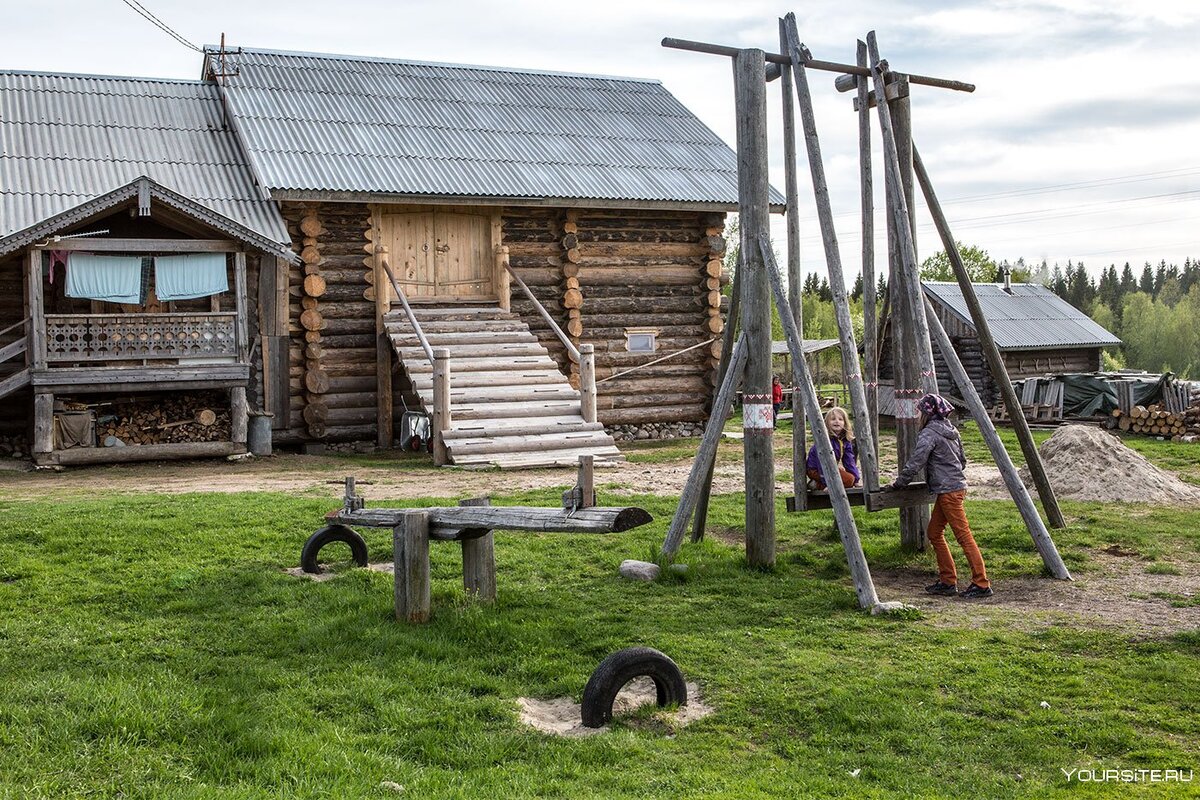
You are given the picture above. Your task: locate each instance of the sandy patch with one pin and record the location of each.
(562, 716)
(328, 574)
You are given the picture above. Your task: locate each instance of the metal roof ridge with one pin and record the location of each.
(91, 76)
(210, 50)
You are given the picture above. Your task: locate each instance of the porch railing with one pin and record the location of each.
(122, 337)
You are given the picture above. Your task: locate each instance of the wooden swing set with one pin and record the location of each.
(747, 362)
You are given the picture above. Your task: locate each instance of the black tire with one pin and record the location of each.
(328, 534)
(619, 669)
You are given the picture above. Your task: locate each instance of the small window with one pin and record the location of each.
(641, 340)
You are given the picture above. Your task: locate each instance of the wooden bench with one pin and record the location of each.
(471, 523)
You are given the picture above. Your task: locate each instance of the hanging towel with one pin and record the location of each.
(58, 257)
(191, 275)
(115, 279)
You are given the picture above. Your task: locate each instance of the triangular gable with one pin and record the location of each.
(146, 191)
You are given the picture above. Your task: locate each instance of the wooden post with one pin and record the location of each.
(864, 587)
(587, 481)
(441, 404)
(912, 353)
(239, 285)
(587, 382)
(43, 423)
(750, 98)
(383, 354)
(37, 310)
(992, 353)
(870, 340)
(502, 281)
(727, 340)
(479, 560)
(701, 472)
(239, 414)
(410, 553)
(795, 281)
(851, 370)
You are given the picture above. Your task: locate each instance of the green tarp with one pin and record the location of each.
(1088, 395)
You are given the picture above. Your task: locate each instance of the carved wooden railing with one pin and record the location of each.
(123, 337)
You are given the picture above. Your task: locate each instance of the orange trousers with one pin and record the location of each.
(847, 477)
(948, 508)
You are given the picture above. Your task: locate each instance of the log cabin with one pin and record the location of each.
(1037, 332)
(533, 259)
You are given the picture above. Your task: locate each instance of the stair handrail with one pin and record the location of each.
(572, 350)
(412, 318)
(17, 347)
(585, 357)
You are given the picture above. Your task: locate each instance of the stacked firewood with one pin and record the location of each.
(166, 419)
(1156, 420)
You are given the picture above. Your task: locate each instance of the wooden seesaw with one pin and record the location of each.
(471, 523)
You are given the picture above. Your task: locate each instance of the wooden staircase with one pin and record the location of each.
(20, 378)
(510, 406)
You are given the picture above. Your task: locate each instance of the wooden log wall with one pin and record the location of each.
(332, 354)
(599, 272)
(332, 325)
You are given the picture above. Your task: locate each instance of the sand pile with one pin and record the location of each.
(1086, 463)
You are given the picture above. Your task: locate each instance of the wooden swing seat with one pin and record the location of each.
(915, 494)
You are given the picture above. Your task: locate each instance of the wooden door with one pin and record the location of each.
(441, 256)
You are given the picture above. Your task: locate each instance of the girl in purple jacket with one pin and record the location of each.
(841, 436)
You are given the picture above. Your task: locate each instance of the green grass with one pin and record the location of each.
(151, 646)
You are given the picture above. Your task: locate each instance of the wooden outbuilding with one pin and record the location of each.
(1036, 331)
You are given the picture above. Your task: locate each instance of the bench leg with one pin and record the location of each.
(479, 560)
(410, 548)
(479, 567)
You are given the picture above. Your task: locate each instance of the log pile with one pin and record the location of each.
(166, 419)
(1155, 420)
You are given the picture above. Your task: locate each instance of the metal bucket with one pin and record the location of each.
(258, 433)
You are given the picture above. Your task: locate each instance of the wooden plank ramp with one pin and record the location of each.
(510, 406)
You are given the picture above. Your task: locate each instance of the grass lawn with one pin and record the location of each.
(152, 646)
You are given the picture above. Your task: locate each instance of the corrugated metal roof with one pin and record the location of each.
(1031, 317)
(324, 123)
(67, 139)
(809, 346)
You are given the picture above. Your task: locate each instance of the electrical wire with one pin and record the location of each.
(162, 26)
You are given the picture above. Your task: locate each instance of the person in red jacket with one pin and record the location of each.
(776, 398)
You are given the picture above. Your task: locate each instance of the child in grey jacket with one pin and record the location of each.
(939, 452)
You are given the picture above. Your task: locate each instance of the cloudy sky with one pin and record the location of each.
(1081, 142)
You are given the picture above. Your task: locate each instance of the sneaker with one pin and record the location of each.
(974, 592)
(948, 589)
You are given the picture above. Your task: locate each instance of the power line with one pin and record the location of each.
(162, 26)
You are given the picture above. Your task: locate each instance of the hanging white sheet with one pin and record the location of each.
(190, 275)
(114, 279)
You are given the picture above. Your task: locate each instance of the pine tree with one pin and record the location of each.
(1146, 284)
(857, 292)
(1128, 282)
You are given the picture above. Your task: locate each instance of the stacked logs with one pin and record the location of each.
(166, 419)
(713, 279)
(1155, 420)
(333, 359)
(572, 297)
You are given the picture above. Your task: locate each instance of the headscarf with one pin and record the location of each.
(935, 406)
